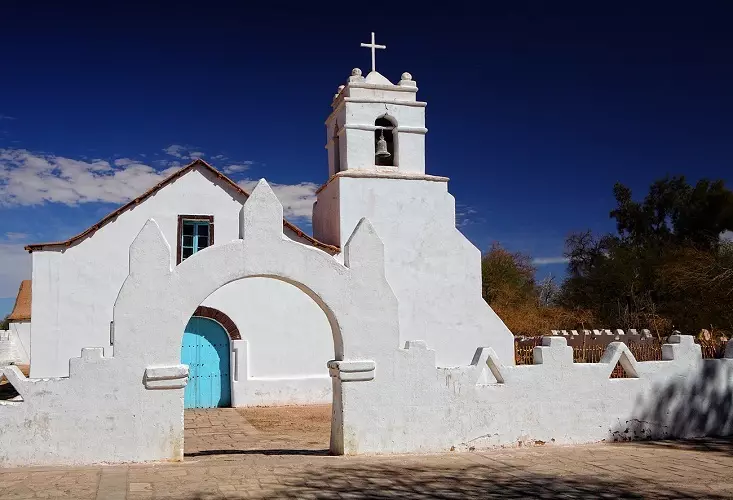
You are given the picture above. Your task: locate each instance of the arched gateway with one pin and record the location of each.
(156, 301)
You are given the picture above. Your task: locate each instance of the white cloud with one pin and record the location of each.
(16, 236)
(122, 162)
(15, 266)
(183, 152)
(219, 157)
(239, 167)
(6, 117)
(466, 215)
(28, 178)
(297, 199)
(544, 261)
(177, 151)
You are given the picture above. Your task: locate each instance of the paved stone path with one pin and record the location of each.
(235, 454)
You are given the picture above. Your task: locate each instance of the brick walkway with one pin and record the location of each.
(252, 454)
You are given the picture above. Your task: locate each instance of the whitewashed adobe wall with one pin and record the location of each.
(433, 269)
(414, 407)
(132, 404)
(286, 343)
(74, 289)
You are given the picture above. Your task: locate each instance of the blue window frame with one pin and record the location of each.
(194, 233)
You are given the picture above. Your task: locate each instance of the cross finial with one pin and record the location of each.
(373, 46)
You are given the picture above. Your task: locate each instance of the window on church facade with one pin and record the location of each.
(384, 150)
(195, 232)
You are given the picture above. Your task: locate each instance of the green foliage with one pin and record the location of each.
(667, 266)
(507, 277)
(5, 324)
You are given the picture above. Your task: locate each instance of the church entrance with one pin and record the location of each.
(205, 349)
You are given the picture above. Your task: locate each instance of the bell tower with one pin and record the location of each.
(376, 126)
(376, 164)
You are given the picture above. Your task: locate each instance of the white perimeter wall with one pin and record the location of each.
(74, 289)
(286, 343)
(21, 330)
(410, 406)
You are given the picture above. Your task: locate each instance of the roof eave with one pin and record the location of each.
(197, 162)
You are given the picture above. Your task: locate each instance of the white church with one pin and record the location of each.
(197, 294)
(261, 341)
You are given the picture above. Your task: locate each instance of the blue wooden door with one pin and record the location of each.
(205, 349)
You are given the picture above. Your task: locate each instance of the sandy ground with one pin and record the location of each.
(313, 421)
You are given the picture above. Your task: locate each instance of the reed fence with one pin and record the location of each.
(648, 351)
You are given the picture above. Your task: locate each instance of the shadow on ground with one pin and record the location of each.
(485, 482)
(724, 446)
(274, 451)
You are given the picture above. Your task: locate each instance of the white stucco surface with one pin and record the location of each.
(386, 399)
(414, 407)
(21, 333)
(432, 268)
(15, 343)
(286, 343)
(395, 323)
(74, 288)
(132, 403)
(92, 416)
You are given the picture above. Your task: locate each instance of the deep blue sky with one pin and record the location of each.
(534, 109)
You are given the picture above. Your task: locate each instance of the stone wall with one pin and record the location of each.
(411, 406)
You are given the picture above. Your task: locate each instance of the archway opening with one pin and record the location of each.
(278, 338)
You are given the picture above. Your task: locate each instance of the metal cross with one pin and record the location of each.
(373, 46)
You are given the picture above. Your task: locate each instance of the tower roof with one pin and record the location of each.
(376, 78)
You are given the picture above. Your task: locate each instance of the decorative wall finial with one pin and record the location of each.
(356, 75)
(407, 80)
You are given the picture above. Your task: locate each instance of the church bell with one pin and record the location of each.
(382, 147)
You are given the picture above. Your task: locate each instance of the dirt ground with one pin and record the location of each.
(312, 421)
(291, 429)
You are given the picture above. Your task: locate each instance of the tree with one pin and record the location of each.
(5, 323)
(526, 307)
(664, 266)
(548, 292)
(507, 277)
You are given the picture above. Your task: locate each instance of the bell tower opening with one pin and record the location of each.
(336, 150)
(384, 142)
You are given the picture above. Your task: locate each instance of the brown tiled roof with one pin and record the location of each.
(196, 163)
(22, 308)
